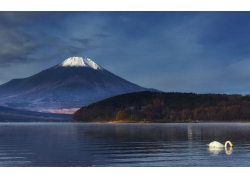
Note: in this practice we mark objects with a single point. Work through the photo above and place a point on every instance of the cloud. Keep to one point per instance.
(101, 35)
(84, 41)
(16, 46)
(30, 36)
(171, 51)
(69, 49)
(13, 19)
(178, 58)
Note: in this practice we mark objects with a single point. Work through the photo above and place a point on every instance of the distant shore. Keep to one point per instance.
(166, 121)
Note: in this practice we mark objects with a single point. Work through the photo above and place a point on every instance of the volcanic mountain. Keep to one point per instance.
(74, 83)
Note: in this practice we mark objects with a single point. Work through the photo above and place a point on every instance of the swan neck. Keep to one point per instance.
(228, 142)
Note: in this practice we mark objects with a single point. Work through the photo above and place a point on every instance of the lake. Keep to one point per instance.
(123, 145)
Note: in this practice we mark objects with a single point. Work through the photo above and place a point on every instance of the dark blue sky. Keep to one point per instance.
(201, 52)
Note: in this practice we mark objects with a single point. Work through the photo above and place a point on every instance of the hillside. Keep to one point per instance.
(166, 107)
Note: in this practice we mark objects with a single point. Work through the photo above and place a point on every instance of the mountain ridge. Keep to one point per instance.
(65, 87)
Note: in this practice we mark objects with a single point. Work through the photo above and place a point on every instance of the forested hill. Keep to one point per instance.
(167, 107)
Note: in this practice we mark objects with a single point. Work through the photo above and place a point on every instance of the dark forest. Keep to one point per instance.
(167, 107)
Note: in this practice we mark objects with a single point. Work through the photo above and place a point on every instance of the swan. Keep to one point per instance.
(218, 144)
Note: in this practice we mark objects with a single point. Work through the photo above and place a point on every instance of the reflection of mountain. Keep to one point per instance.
(72, 84)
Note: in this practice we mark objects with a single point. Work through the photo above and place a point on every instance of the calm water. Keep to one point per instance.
(110, 145)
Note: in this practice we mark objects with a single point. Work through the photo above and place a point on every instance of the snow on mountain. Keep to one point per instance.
(80, 62)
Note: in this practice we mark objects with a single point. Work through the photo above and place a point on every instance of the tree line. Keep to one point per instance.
(167, 107)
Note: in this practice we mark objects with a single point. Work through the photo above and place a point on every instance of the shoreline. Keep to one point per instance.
(162, 122)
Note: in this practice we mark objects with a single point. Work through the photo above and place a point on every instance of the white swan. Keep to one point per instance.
(218, 144)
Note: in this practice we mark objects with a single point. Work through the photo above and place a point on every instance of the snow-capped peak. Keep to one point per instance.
(80, 62)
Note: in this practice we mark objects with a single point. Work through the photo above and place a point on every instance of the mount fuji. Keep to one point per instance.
(65, 87)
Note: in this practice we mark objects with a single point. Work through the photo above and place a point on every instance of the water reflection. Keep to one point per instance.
(229, 151)
(190, 133)
(194, 133)
(92, 144)
(217, 150)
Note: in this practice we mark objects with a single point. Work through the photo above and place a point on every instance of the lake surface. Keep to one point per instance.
(112, 145)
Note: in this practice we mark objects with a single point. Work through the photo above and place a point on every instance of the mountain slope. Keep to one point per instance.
(17, 115)
(71, 84)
